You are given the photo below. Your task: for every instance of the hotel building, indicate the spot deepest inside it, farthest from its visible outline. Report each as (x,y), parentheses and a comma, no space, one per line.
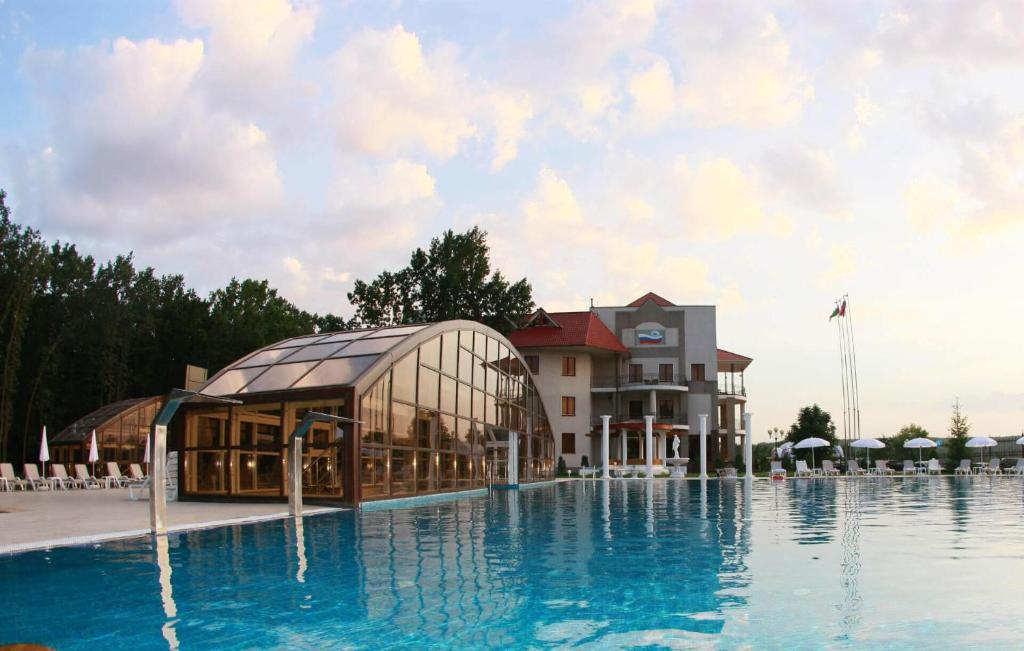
(650,357)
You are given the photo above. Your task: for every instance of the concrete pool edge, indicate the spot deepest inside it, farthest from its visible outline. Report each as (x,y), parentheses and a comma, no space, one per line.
(92,539)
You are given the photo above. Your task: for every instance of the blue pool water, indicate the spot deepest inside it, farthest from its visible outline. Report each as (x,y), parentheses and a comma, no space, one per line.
(881,563)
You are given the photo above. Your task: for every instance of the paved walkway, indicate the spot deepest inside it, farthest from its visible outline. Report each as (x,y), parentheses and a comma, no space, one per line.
(39,520)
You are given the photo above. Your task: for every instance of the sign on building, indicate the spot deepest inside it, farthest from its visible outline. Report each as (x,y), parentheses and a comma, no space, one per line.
(651,336)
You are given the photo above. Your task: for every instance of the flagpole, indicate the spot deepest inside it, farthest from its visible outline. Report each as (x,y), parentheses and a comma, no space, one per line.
(842,361)
(849,366)
(853,347)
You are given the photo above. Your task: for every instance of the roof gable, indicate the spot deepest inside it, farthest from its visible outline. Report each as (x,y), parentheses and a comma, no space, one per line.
(651,296)
(568,329)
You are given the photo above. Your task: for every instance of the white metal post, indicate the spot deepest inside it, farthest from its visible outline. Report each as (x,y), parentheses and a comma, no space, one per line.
(605,435)
(748,444)
(703,446)
(649,441)
(158,481)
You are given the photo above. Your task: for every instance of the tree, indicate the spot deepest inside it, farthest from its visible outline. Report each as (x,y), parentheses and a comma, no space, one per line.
(451,280)
(813,421)
(959,432)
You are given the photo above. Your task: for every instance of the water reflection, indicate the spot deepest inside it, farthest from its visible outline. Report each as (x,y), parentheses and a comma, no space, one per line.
(163,563)
(815,504)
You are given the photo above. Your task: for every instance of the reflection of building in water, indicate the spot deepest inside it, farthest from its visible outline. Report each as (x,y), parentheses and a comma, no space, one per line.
(814,505)
(441,405)
(850,575)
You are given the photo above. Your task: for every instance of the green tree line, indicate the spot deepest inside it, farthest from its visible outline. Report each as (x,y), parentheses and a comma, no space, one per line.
(76,335)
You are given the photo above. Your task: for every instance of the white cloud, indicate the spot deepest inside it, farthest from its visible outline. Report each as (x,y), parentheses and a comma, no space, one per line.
(930,204)
(138,147)
(865,113)
(842,265)
(397,184)
(718,201)
(807,177)
(737,68)
(395,99)
(653,93)
(552,204)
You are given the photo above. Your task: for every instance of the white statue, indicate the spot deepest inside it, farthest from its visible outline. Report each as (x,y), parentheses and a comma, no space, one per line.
(675,446)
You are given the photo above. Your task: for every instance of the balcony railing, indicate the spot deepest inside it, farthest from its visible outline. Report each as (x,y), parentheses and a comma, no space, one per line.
(678,419)
(731,391)
(653,379)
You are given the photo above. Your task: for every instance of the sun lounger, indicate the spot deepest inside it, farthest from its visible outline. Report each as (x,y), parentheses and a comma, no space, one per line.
(82,473)
(60,473)
(993,468)
(778,470)
(34,480)
(909,468)
(933,467)
(135,470)
(8,480)
(964,468)
(1018,469)
(114,475)
(141,490)
(853,468)
(829,469)
(802,470)
(882,468)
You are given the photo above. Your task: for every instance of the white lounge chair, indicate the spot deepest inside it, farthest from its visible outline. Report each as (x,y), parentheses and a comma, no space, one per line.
(829,469)
(1018,469)
(993,467)
(802,470)
(882,467)
(853,468)
(34,480)
(8,480)
(82,473)
(778,470)
(909,468)
(60,473)
(933,467)
(114,475)
(964,468)
(135,470)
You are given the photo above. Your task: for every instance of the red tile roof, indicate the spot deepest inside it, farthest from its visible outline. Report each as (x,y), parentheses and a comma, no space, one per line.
(651,296)
(577,329)
(725,357)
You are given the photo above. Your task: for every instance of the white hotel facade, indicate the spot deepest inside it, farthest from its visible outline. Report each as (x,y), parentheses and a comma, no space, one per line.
(650,357)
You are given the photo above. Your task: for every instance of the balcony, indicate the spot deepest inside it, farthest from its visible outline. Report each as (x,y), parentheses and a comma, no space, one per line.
(633,382)
(679,420)
(732,391)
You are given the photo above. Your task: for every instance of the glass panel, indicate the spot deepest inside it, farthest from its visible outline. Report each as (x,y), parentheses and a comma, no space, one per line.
(430,353)
(336,371)
(232,381)
(344,336)
(373,473)
(373,413)
(492,410)
(266,357)
(403,426)
(428,388)
(403,379)
(247,433)
(278,377)
(268,471)
(268,437)
(319,351)
(446,470)
(209,432)
(446,432)
(478,405)
(465,365)
(465,400)
(492,380)
(369,346)
(300,341)
(463,469)
(426,472)
(480,343)
(448,394)
(247,471)
(426,427)
(450,352)
(403,331)
(209,471)
(492,351)
(402,473)
(463,436)
(479,373)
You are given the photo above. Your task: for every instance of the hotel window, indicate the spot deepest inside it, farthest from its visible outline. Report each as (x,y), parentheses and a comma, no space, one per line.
(665,372)
(568,443)
(697,372)
(569,366)
(636,409)
(533,362)
(568,406)
(636,372)
(666,409)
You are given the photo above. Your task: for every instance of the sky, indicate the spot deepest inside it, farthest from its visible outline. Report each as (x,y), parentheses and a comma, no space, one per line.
(765,157)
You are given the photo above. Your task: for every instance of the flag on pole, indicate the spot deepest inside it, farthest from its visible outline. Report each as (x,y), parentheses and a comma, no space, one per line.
(842,308)
(835,313)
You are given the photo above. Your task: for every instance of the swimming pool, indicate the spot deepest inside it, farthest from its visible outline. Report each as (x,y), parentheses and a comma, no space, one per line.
(886,563)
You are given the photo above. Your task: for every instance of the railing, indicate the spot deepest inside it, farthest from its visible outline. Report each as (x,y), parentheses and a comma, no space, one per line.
(731,391)
(678,419)
(654,379)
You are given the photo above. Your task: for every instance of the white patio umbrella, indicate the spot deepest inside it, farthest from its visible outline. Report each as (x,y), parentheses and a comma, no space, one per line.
(44,451)
(145,455)
(94,453)
(811,442)
(869,445)
(920,443)
(784,449)
(982,442)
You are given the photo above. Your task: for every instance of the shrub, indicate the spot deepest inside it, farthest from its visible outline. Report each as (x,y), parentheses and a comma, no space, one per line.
(562,470)
(585,461)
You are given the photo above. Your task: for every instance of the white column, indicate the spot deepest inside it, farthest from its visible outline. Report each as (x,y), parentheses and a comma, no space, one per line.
(604,446)
(513,459)
(653,402)
(649,441)
(748,444)
(622,438)
(703,446)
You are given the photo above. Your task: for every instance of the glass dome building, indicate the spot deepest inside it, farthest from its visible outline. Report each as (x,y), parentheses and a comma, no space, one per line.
(442,407)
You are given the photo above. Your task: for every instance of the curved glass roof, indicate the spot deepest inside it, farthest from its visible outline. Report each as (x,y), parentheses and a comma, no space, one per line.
(309,361)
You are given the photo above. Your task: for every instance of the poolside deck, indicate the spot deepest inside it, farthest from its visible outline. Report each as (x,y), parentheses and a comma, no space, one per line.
(40,520)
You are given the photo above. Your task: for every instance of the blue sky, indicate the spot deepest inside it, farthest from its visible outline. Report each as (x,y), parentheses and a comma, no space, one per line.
(764,157)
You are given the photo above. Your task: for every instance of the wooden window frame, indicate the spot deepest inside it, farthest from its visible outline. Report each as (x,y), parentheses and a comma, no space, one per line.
(572,438)
(568,405)
(569,366)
